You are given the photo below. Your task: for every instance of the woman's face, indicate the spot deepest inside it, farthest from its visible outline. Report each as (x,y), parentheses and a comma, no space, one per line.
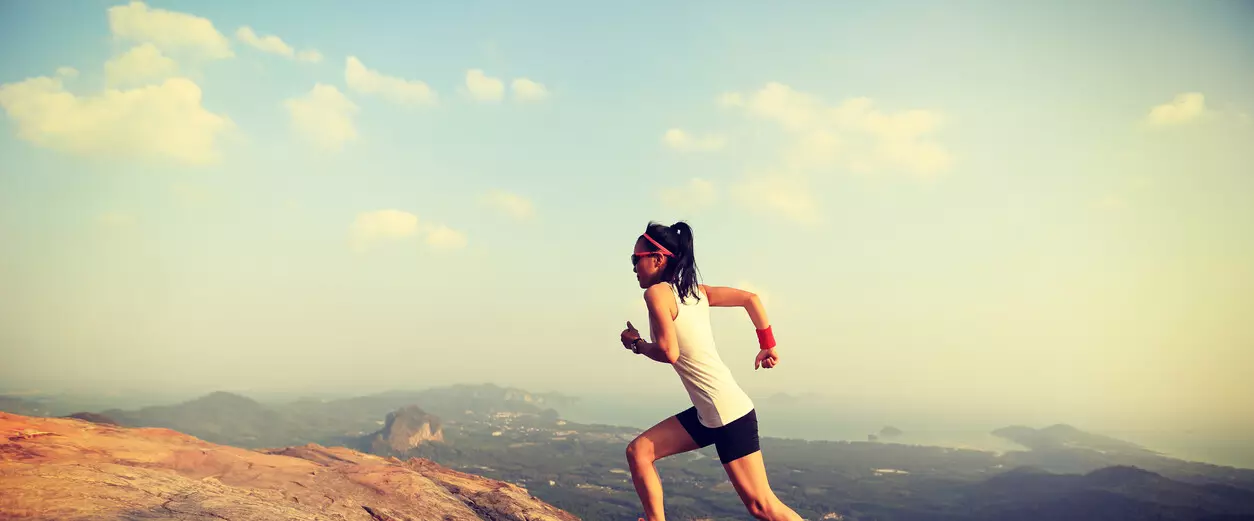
(647,266)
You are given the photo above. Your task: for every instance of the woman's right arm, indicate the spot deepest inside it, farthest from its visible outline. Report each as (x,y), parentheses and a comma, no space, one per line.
(723,296)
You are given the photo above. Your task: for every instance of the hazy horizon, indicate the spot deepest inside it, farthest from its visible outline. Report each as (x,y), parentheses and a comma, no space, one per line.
(810,417)
(954,212)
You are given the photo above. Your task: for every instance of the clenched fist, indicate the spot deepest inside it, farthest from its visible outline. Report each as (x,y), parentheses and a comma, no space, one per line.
(629,335)
(767,358)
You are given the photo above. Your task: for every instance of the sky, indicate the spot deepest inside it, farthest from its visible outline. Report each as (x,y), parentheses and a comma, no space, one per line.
(972,207)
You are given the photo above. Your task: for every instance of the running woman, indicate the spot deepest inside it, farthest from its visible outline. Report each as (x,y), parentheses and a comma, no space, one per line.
(721,413)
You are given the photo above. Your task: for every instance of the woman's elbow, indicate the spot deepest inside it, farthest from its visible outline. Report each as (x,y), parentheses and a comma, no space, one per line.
(672,354)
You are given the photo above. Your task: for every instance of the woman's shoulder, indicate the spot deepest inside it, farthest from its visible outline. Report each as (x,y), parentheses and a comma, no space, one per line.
(660,289)
(662,297)
(663,291)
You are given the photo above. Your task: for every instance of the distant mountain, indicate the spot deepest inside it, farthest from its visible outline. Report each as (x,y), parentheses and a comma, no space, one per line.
(52,404)
(1119,492)
(449,402)
(890,432)
(454,400)
(94,418)
(220,417)
(1067,449)
(781,399)
(232,419)
(1067,436)
(23,406)
(403,431)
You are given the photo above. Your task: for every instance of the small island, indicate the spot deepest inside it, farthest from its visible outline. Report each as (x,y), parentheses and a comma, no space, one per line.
(890,432)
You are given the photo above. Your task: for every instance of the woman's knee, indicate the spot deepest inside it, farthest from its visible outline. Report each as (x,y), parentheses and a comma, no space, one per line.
(757,509)
(761,508)
(640,450)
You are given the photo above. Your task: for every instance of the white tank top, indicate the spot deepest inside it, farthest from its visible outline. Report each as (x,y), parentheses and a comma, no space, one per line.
(717,397)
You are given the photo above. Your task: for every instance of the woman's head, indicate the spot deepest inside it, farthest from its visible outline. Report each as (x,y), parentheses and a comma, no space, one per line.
(664,254)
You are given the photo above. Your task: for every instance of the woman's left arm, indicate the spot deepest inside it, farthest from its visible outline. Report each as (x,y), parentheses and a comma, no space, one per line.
(665,347)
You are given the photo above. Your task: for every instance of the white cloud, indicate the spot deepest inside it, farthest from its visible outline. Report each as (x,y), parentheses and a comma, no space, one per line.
(269,43)
(1184,108)
(67,72)
(382,225)
(141,65)
(324,116)
(696,193)
(483,87)
(779,102)
(853,134)
(170,31)
(442,237)
(514,205)
(165,121)
(819,137)
(788,196)
(527,90)
(309,56)
(391,88)
(376,226)
(814,150)
(680,140)
(274,45)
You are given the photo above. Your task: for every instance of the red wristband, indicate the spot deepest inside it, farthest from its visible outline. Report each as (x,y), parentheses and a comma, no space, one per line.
(766,338)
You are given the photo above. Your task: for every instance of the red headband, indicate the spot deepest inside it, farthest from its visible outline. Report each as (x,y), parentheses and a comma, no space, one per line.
(661,249)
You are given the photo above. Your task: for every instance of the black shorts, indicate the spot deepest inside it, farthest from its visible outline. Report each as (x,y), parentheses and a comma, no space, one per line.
(733,440)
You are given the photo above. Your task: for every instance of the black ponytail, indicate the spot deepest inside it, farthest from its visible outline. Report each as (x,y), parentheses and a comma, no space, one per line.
(681,270)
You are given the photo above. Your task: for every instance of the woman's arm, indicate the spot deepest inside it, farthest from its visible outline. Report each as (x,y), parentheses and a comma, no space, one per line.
(722,296)
(732,297)
(661,304)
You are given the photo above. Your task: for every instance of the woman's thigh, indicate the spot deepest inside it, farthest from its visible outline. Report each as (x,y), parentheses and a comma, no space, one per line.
(667,438)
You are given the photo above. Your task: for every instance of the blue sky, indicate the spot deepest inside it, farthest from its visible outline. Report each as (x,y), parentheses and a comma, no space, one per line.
(975,206)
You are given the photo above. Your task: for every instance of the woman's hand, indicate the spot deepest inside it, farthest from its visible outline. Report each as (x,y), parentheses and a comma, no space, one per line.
(629,335)
(767,358)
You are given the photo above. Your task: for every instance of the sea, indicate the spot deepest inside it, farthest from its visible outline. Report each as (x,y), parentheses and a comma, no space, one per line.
(1235,449)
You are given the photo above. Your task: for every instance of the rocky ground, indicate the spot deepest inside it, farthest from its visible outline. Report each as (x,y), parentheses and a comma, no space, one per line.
(70,469)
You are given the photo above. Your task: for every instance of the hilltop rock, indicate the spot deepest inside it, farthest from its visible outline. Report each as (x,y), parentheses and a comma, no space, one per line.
(68,469)
(406,429)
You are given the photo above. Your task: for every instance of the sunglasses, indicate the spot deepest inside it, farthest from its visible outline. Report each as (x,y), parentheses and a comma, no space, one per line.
(635,257)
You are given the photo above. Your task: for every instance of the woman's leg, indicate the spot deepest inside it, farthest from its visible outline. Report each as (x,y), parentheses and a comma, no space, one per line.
(741,455)
(748,475)
(667,438)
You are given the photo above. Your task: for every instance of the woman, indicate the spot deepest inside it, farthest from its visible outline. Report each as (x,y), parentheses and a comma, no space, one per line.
(722,414)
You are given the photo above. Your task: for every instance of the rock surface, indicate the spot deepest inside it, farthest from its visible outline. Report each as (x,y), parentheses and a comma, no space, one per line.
(68,469)
(404,430)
